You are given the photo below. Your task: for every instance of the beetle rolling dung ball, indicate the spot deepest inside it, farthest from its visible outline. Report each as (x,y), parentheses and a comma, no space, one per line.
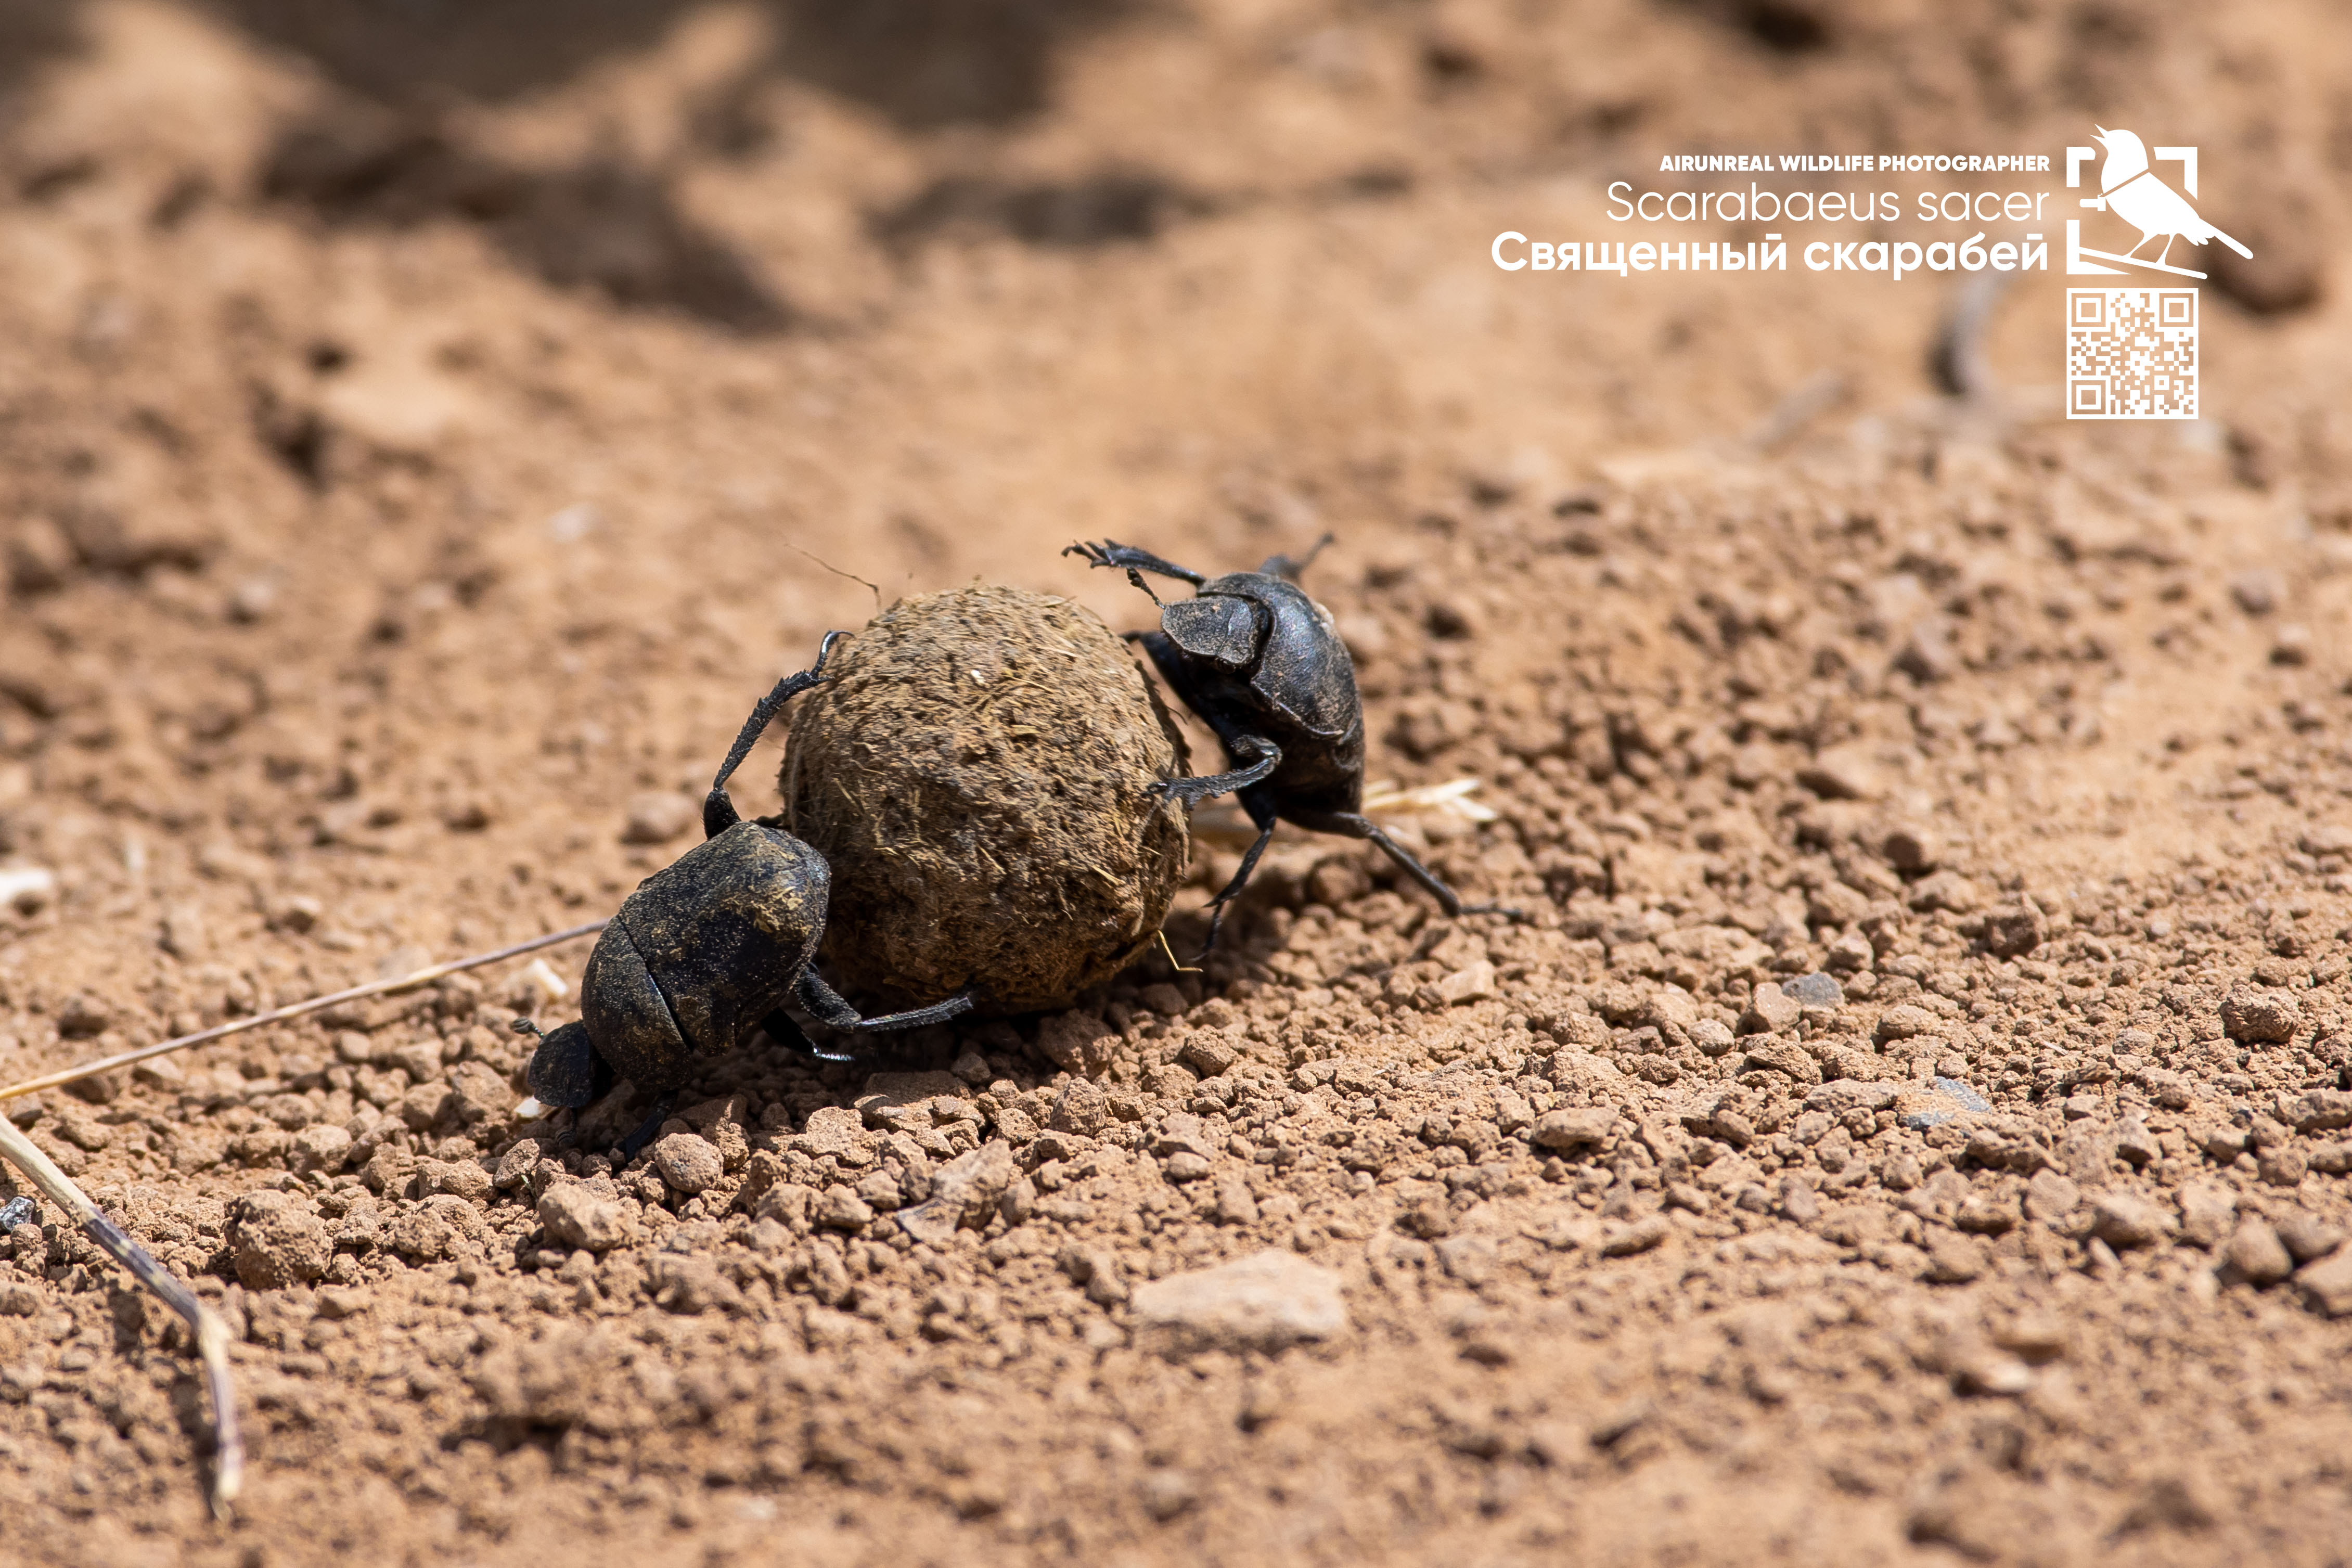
(977,771)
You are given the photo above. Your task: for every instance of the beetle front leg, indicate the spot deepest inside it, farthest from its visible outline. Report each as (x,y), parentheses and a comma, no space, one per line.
(1193,791)
(787,1031)
(1354,825)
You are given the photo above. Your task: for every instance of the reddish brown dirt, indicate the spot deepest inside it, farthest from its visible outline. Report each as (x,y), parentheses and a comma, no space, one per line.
(416,428)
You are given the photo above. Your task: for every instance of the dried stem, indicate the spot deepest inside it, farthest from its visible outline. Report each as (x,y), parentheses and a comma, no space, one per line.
(429,973)
(211,1334)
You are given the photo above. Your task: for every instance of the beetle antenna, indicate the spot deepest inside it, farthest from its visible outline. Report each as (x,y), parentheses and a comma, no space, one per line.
(1137,578)
(525,1027)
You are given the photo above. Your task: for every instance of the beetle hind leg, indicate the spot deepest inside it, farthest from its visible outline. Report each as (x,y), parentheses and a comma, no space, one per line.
(787,1031)
(826,1005)
(1111,553)
(1284,567)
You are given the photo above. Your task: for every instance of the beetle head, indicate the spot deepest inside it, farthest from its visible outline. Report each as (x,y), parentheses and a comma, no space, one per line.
(566,1071)
(1225,628)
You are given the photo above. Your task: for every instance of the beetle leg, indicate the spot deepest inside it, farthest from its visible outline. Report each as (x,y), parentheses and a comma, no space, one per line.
(1195,790)
(1234,889)
(718,810)
(827,1003)
(1358,826)
(1111,553)
(787,1031)
(635,1144)
(1284,567)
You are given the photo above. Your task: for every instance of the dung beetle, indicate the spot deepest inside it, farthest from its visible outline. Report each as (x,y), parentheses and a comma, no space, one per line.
(1263,666)
(703,954)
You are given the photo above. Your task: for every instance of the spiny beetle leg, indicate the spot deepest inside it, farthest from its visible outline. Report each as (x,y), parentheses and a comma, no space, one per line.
(719,810)
(1193,790)
(1284,567)
(1233,890)
(826,1005)
(1111,553)
(786,1030)
(635,1144)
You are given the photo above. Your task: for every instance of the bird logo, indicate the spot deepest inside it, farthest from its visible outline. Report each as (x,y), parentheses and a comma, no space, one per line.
(2131,189)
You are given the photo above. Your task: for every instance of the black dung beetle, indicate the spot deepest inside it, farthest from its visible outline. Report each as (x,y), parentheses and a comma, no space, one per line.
(704,952)
(1263,666)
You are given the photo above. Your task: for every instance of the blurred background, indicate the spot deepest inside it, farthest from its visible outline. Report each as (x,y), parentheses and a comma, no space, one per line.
(421,418)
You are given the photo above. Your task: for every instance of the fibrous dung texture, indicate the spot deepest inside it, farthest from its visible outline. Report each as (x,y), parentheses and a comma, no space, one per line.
(977,770)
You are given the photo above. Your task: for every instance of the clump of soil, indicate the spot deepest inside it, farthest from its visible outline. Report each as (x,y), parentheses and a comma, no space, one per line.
(978,775)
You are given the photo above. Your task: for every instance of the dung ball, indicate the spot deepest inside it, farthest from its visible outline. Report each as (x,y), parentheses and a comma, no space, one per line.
(976,770)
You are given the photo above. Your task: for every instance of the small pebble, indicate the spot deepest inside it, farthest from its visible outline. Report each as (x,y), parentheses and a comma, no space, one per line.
(1771,1011)
(1470,983)
(1951,1260)
(1850,953)
(1265,1302)
(2208,1211)
(2255,1253)
(1167,1493)
(1638,1237)
(2123,1221)
(2257,592)
(1814,990)
(575,1216)
(2326,1285)
(1184,1165)
(277,1242)
(2306,1237)
(842,1209)
(1574,1128)
(690,1162)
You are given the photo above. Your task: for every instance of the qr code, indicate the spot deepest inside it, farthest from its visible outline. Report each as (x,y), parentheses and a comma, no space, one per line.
(2131,353)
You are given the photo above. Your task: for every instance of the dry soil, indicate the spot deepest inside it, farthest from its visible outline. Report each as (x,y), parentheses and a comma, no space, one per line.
(1913,1125)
